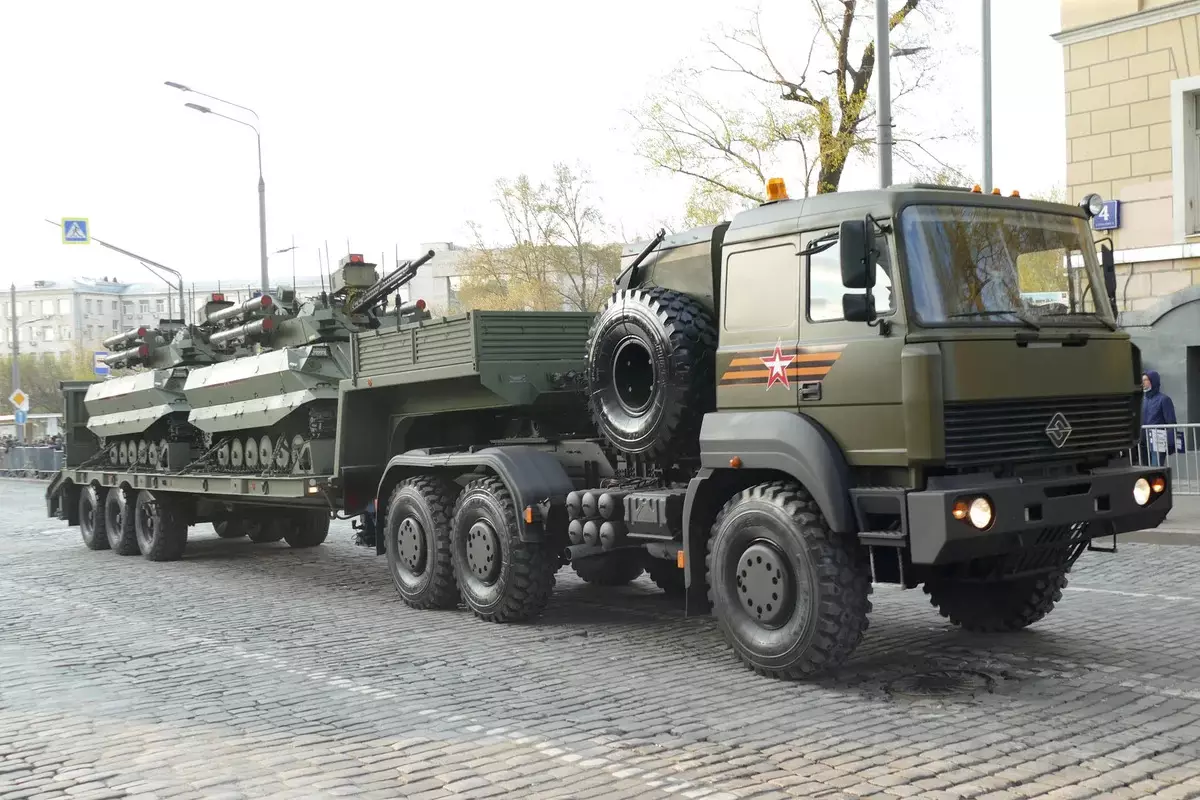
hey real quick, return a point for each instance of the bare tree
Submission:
(814, 116)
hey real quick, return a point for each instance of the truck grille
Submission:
(1030, 430)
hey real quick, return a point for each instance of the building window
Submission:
(87, 305)
(114, 308)
(144, 306)
(64, 305)
(159, 305)
(33, 307)
(116, 325)
(47, 308)
(48, 333)
(128, 305)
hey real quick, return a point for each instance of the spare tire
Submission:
(650, 362)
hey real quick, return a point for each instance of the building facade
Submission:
(1132, 81)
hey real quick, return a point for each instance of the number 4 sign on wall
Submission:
(1110, 218)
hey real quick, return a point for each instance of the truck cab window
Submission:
(773, 305)
(825, 288)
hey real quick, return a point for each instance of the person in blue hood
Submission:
(1157, 409)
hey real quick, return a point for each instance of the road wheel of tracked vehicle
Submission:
(650, 362)
(666, 575)
(119, 522)
(250, 453)
(417, 537)
(123, 454)
(609, 569)
(502, 579)
(161, 531)
(307, 529)
(266, 454)
(237, 452)
(114, 455)
(997, 606)
(143, 452)
(283, 455)
(791, 596)
(229, 528)
(265, 530)
(162, 461)
(91, 518)
(224, 453)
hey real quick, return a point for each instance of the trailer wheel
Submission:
(666, 575)
(91, 518)
(998, 606)
(650, 362)
(119, 522)
(229, 528)
(161, 532)
(264, 529)
(609, 569)
(502, 579)
(790, 595)
(417, 538)
(310, 529)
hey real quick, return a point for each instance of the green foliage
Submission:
(551, 258)
(40, 377)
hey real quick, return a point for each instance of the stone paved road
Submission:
(255, 670)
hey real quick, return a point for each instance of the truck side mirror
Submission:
(857, 255)
(1108, 264)
(858, 307)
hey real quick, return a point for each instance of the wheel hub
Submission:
(765, 585)
(410, 542)
(483, 552)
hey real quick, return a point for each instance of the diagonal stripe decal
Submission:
(781, 365)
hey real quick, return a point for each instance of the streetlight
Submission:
(262, 186)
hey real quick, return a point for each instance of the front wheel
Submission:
(502, 579)
(790, 595)
(997, 606)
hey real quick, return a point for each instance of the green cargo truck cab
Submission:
(823, 393)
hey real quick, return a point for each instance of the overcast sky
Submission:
(388, 122)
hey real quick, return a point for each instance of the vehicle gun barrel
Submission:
(258, 327)
(128, 336)
(262, 302)
(390, 283)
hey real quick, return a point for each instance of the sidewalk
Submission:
(1182, 525)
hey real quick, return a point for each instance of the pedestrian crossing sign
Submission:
(75, 231)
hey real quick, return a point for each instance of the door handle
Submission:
(810, 390)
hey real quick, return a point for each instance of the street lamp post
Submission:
(262, 186)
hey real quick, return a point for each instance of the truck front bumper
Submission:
(1032, 513)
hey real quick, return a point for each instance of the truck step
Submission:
(883, 538)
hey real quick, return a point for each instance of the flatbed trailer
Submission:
(765, 457)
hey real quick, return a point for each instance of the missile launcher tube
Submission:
(128, 336)
(258, 327)
(261, 303)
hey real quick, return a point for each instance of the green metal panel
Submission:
(430, 343)
(531, 336)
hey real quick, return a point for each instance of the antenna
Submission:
(294, 267)
(321, 271)
(328, 265)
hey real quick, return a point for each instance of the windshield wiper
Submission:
(1026, 321)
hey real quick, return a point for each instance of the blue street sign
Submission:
(1110, 218)
(75, 231)
(98, 365)
(21, 416)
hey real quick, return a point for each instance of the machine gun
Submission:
(404, 273)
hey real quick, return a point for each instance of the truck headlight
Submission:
(1141, 491)
(980, 513)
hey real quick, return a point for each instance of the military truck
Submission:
(768, 416)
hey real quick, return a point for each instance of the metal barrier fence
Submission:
(1174, 446)
(30, 462)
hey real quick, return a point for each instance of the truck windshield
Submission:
(1001, 266)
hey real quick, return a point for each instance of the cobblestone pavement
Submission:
(256, 670)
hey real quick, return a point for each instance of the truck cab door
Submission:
(760, 317)
(849, 372)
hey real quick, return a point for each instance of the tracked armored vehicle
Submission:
(274, 412)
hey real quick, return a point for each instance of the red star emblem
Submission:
(778, 363)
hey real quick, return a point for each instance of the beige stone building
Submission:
(1132, 80)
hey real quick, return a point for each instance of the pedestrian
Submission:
(1157, 410)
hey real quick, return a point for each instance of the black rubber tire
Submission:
(998, 607)
(667, 576)
(525, 578)
(161, 531)
(784, 516)
(660, 346)
(264, 529)
(91, 518)
(428, 501)
(119, 522)
(308, 529)
(609, 569)
(229, 528)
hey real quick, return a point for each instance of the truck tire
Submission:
(667, 576)
(1000, 606)
(310, 529)
(790, 596)
(91, 518)
(417, 537)
(502, 579)
(650, 364)
(119, 522)
(229, 529)
(161, 531)
(609, 569)
(264, 529)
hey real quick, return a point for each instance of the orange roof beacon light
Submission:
(1015, 193)
(776, 190)
(996, 191)
(977, 189)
